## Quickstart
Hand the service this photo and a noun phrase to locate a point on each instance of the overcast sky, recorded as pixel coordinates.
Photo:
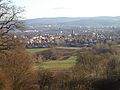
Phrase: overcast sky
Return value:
(69, 8)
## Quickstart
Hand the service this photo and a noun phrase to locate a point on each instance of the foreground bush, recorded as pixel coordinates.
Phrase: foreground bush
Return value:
(17, 65)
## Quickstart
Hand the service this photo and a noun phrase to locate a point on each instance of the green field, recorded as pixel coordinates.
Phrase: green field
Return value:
(33, 50)
(57, 65)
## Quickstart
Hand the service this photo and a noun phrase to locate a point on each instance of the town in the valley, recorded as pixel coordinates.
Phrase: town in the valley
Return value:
(71, 37)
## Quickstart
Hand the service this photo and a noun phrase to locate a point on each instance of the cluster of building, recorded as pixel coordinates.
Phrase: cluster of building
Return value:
(83, 39)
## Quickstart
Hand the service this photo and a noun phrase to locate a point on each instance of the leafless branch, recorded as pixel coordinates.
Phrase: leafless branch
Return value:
(9, 20)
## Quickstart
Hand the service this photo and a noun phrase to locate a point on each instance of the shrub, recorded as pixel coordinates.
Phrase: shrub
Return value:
(17, 64)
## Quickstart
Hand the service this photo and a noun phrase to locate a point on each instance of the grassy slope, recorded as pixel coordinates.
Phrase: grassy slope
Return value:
(57, 65)
(33, 50)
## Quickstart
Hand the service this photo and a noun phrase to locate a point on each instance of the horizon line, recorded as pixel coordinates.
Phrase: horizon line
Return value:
(70, 17)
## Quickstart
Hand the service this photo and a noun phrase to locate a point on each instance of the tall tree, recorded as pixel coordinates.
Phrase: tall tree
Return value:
(9, 20)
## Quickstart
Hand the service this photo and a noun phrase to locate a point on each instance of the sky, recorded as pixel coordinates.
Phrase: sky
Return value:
(69, 8)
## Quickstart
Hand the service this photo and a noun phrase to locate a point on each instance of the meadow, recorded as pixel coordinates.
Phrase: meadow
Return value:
(33, 50)
(53, 65)
(57, 65)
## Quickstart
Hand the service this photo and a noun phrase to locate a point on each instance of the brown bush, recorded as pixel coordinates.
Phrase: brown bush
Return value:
(5, 82)
(17, 64)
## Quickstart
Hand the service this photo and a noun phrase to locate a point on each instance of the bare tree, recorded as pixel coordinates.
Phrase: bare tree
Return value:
(9, 20)
(9, 15)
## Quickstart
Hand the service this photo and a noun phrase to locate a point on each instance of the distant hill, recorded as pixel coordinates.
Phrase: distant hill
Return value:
(58, 20)
(82, 21)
